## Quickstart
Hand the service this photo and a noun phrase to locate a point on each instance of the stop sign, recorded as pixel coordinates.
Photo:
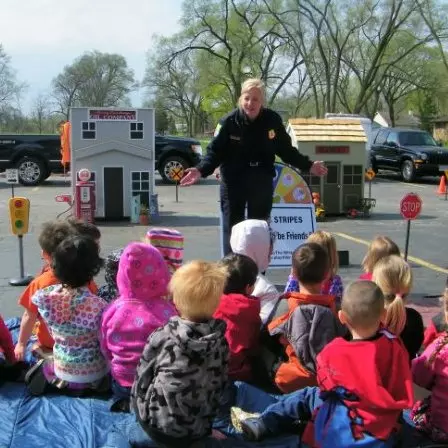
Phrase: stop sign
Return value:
(411, 206)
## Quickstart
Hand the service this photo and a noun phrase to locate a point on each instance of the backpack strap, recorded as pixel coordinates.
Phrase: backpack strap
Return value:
(273, 311)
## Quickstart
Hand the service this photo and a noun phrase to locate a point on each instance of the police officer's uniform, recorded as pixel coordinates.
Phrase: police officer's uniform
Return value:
(245, 152)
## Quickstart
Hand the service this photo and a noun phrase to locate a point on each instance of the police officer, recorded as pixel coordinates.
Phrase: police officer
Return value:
(244, 146)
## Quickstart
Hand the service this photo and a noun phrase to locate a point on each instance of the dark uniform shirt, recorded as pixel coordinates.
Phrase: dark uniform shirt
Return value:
(240, 143)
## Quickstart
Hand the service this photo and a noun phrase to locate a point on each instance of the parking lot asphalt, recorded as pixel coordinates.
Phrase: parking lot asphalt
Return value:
(196, 215)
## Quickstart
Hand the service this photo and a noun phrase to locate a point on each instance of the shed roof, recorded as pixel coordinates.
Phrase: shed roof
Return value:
(319, 130)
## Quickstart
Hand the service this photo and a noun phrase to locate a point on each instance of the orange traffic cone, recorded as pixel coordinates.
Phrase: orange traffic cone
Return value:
(442, 185)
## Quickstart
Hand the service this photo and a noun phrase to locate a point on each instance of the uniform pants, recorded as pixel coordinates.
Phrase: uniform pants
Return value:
(253, 191)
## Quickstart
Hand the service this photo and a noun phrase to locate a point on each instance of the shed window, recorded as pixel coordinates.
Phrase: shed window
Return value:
(136, 130)
(311, 180)
(88, 130)
(140, 186)
(352, 174)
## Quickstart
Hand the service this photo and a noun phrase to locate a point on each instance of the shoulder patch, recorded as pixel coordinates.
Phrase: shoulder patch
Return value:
(271, 134)
(217, 129)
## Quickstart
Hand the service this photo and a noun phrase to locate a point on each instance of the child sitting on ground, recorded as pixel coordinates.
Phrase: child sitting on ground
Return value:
(253, 238)
(8, 365)
(72, 314)
(241, 313)
(333, 285)
(141, 308)
(183, 369)
(310, 323)
(438, 324)
(394, 276)
(380, 247)
(109, 291)
(430, 371)
(52, 234)
(170, 244)
(364, 384)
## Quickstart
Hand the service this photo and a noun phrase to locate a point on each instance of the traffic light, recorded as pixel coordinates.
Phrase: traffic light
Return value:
(19, 215)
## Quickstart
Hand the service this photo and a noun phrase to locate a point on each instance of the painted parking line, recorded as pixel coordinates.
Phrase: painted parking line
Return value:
(390, 181)
(415, 260)
(35, 189)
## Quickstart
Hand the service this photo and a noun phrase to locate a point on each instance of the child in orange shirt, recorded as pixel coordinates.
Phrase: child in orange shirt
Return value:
(53, 233)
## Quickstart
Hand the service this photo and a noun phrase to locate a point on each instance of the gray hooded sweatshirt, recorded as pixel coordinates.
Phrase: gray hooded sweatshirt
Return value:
(180, 378)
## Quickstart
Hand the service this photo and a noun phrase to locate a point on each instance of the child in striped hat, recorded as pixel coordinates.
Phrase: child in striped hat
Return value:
(170, 244)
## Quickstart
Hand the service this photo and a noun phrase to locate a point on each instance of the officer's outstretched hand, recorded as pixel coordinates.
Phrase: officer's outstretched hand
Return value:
(318, 169)
(192, 175)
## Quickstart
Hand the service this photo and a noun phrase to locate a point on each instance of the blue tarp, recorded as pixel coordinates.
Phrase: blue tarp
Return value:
(57, 421)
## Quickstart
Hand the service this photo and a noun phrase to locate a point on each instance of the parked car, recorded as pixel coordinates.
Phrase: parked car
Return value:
(410, 152)
(38, 156)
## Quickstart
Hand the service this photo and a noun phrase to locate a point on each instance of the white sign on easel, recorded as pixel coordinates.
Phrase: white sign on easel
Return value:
(12, 176)
(291, 224)
(293, 216)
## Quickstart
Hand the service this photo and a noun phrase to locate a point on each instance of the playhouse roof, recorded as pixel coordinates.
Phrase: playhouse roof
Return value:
(324, 129)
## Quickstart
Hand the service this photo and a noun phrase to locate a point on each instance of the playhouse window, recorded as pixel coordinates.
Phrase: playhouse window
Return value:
(311, 180)
(352, 174)
(140, 186)
(136, 131)
(88, 130)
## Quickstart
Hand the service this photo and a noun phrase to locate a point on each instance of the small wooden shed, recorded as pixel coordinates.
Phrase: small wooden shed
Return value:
(341, 144)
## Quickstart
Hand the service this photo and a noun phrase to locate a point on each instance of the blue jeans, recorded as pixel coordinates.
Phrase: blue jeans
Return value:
(283, 415)
(120, 391)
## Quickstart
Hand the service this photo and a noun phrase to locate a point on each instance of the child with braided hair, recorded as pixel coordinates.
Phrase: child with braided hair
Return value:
(430, 370)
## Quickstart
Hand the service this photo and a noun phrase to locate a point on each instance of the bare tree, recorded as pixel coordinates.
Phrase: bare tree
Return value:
(40, 112)
(94, 79)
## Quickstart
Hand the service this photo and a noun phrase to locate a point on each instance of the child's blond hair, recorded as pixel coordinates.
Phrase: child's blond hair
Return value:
(380, 247)
(394, 277)
(327, 240)
(197, 288)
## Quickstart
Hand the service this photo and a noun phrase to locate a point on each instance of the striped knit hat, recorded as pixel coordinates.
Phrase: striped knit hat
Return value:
(170, 244)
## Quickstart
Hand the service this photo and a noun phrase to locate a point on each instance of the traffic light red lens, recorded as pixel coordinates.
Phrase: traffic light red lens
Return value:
(18, 204)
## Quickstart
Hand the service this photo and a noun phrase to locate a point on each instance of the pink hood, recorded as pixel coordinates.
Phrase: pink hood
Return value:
(142, 273)
(140, 309)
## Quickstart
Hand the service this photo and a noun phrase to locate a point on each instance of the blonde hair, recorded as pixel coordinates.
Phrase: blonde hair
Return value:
(394, 277)
(380, 247)
(252, 83)
(197, 288)
(327, 240)
(363, 304)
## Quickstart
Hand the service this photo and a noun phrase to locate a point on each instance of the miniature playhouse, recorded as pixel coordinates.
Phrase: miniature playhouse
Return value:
(341, 144)
(117, 147)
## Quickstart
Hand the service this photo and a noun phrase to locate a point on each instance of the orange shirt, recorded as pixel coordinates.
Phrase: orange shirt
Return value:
(47, 278)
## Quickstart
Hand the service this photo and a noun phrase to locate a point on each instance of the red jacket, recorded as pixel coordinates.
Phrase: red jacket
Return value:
(242, 316)
(377, 372)
(6, 345)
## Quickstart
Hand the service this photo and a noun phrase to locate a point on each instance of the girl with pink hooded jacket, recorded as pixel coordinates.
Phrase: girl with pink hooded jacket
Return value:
(141, 307)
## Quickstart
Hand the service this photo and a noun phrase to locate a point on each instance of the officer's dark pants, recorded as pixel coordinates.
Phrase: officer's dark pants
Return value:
(253, 190)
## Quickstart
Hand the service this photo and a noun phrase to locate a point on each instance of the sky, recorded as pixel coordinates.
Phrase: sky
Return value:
(42, 36)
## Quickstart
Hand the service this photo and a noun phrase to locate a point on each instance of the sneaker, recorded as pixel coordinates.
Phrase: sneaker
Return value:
(247, 423)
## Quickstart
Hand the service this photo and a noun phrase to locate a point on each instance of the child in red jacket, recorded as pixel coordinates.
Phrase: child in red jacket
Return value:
(241, 313)
(364, 384)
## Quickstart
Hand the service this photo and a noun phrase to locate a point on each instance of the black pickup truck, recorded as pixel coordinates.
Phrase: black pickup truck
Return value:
(411, 152)
(38, 156)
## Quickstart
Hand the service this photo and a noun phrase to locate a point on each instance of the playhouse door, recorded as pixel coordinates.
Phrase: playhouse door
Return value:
(113, 193)
(332, 188)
